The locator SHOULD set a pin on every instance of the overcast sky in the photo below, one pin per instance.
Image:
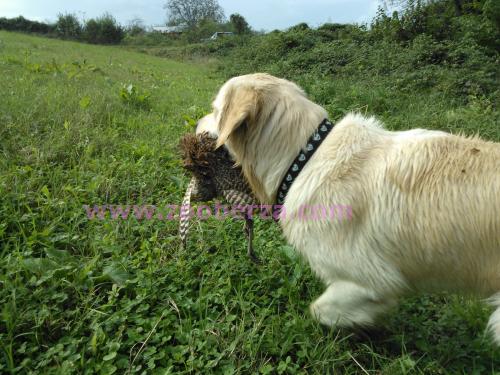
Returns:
(260, 14)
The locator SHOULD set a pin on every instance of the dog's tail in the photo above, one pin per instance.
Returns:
(494, 322)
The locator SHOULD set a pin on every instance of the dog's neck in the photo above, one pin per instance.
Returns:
(302, 158)
(269, 153)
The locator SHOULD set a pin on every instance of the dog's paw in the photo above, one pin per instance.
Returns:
(346, 304)
(494, 326)
(325, 314)
(494, 322)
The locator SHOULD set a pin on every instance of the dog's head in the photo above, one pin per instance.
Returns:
(263, 121)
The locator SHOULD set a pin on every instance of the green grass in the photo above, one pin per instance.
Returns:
(83, 124)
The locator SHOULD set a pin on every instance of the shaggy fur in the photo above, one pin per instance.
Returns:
(425, 204)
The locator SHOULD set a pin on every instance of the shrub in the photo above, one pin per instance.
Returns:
(491, 10)
(135, 27)
(68, 26)
(22, 24)
(300, 27)
(103, 30)
(131, 95)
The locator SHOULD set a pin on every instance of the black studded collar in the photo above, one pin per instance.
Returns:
(302, 158)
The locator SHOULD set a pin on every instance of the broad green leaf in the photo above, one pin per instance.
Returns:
(116, 273)
(85, 102)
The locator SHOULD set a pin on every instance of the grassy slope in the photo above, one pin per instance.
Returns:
(88, 296)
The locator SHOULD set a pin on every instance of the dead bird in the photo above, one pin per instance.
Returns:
(214, 175)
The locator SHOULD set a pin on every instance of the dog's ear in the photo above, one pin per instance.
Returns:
(240, 107)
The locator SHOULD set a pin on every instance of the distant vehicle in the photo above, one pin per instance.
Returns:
(220, 34)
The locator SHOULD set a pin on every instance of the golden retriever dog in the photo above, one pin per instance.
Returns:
(425, 204)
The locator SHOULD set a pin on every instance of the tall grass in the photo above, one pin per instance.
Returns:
(84, 125)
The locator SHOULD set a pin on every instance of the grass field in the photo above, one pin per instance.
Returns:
(85, 125)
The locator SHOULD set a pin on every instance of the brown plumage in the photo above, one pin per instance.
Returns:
(214, 176)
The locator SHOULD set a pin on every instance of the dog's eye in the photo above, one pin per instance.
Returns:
(243, 127)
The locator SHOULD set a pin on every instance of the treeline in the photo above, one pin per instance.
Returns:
(23, 25)
(195, 33)
(106, 30)
(100, 30)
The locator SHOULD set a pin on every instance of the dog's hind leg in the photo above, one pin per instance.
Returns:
(494, 322)
(346, 304)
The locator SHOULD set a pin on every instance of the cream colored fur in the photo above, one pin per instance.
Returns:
(425, 204)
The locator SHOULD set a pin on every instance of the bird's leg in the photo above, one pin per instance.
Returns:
(249, 234)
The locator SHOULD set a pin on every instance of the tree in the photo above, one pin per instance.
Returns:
(239, 23)
(68, 26)
(135, 27)
(103, 30)
(405, 4)
(191, 12)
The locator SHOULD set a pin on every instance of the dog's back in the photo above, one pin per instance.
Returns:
(446, 192)
(425, 215)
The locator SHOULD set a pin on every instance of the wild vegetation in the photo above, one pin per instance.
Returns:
(430, 65)
(198, 20)
(99, 125)
(100, 30)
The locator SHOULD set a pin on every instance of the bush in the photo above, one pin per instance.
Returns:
(68, 26)
(103, 30)
(491, 10)
(135, 28)
(426, 47)
(335, 31)
(22, 24)
(131, 95)
(300, 27)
